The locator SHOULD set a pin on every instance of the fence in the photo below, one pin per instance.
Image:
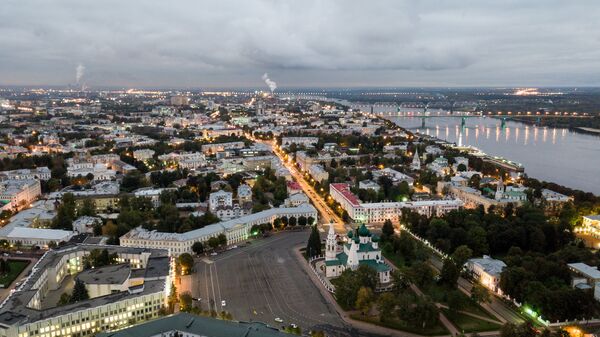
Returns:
(322, 278)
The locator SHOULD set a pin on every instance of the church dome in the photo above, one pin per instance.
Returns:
(375, 238)
(350, 234)
(363, 231)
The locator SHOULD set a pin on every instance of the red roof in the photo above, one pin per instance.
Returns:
(344, 190)
(292, 185)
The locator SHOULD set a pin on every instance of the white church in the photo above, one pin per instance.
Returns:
(362, 249)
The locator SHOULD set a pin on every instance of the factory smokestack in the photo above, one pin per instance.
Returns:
(270, 83)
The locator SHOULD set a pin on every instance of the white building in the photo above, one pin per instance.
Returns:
(381, 211)
(86, 224)
(585, 277)
(220, 199)
(40, 173)
(305, 141)
(318, 172)
(396, 176)
(29, 312)
(369, 185)
(18, 194)
(236, 230)
(487, 271)
(244, 194)
(143, 154)
(296, 199)
(39, 237)
(362, 249)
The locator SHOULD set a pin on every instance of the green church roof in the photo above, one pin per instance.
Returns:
(363, 230)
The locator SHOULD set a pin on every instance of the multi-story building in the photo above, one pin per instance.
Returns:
(244, 194)
(40, 173)
(16, 194)
(305, 141)
(318, 172)
(32, 310)
(219, 147)
(236, 230)
(220, 199)
(143, 154)
(381, 211)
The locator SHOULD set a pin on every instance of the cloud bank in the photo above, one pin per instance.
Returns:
(301, 43)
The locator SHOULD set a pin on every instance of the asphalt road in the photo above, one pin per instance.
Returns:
(264, 281)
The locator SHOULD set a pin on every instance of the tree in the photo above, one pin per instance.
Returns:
(187, 263)
(213, 242)
(456, 300)
(421, 274)
(480, 294)
(302, 221)
(400, 282)
(80, 292)
(386, 304)
(461, 255)
(387, 230)
(313, 247)
(4, 267)
(198, 248)
(64, 299)
(185, 302)
(88, 208)
(449, 274)
(173, 298)
(292, 221)
(222, 239)
(310, 220)
(364, 300)
(366, 276)
(425, 313)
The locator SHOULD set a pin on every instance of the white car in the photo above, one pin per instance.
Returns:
(278, 320)
(223, 303)
(213, 254)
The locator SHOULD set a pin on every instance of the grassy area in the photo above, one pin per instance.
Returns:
(396, 259)
(16, 267)
(438, 294)
(434, 330)
(466, 323)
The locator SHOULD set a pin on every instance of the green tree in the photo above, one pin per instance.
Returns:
(461, 255)
(186, 261)
(80, 292)
(480, 294)
(449, 274)
(213, 242)
(386, 304)
(364, 300)
(421, 274)
(387, 231)
(88, 208)
(222, 239)
(198, 248)
(185, 302)
(313, 247)
(302, 221)
(425, 313)
(64, 299)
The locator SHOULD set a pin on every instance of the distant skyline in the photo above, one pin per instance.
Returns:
(310, 43)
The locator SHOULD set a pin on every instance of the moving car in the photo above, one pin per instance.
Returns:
(278, 320)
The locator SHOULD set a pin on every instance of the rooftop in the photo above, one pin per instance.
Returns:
(199, 326)
(111, 274)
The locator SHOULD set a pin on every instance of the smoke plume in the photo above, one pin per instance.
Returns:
(270, 83)
(79, 71)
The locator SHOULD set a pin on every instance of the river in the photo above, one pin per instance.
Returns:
(558, 155)
(553, 154)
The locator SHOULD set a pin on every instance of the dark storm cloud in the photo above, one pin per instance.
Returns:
(308, 42)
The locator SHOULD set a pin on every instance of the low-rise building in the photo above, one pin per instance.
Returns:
(17, 194)
(236, 230)
(486, 271)
(585, 277)
(318, 172)
(40, 173)
(143, 154)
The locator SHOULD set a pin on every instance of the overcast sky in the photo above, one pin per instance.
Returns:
(300, 43)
